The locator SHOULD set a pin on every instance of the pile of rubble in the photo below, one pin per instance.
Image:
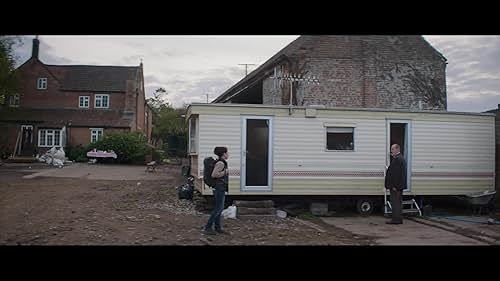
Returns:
(54, 156)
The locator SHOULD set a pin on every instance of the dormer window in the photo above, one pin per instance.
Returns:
(42, 83)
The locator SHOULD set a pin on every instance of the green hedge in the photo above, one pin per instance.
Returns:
(78, 153)
(130, 148)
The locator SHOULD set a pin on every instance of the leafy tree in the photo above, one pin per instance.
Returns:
(9, 81)
(168, 122)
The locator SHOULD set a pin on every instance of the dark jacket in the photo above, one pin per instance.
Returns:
(396, 174)
(220, 172)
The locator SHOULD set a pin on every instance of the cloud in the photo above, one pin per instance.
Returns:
(193, 86)
(484, 103)
(473, 72)
(132, 60)
(150, 79)
(196, 90)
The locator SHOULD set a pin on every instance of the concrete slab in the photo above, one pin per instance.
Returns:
(474, 224)
(408, 233)
(102, 172)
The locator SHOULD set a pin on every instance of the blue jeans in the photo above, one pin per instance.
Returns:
(219, 195)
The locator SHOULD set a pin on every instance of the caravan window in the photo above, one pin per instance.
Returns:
(339, 138)
(192, 135)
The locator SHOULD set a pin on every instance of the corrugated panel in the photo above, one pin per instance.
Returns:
(453, 146)
(303, 142)
(450, 186)
(348, 113)
(218, 130)
(360, 186)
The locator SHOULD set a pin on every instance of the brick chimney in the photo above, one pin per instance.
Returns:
(36, 44)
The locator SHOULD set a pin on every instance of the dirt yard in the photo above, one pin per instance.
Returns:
(40, 205)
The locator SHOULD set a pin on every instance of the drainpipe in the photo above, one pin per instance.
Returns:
(68, 125)
(290, 103)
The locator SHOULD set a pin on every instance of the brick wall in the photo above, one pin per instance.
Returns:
(78, 136)
(130, 110)
(365, 71)
(8, 138)
(81, 135)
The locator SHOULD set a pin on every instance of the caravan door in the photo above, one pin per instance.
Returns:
(399, 131)
(256, 153)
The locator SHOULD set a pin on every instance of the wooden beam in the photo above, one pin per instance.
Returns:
(17, 141)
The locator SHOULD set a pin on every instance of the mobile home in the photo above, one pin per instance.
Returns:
(306, 151)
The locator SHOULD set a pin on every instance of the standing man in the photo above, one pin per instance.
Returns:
(395, 181)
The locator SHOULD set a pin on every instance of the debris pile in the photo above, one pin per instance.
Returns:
(54, 156)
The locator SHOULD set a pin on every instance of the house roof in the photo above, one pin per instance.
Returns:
(60, 117)
(305, 42)
(94, 78)
(496, 110)
(279, 56)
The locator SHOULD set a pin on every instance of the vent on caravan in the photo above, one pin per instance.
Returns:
(310, 112)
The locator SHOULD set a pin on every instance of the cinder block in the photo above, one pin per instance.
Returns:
(319, 209)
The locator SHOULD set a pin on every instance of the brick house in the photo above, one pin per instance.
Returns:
(395, 72)
(71, 105)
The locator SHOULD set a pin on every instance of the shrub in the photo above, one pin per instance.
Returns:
(77, 153)
(129, 147)
(159, 155)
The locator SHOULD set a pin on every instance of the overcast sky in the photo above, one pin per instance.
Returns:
(189, 67)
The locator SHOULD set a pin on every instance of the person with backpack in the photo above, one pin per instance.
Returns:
(215, 175)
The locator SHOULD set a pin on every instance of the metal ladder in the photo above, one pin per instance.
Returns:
(413, 206)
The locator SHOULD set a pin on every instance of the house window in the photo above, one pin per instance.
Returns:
(101, 101)
(49, 137)
(14, 100)
(83, 101)
(95, 134)
(192, 135)
(339, 138)
(42, 84)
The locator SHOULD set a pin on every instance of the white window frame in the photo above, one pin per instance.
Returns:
(41, 83)
(99, 97)
(49, 132)
(340, 129)
(14, 100)
(97, 133)
(193, 136)
(83, 98)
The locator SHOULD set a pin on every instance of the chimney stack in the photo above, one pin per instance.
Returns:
(36, 44)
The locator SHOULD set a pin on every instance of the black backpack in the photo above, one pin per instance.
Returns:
(208, 168)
